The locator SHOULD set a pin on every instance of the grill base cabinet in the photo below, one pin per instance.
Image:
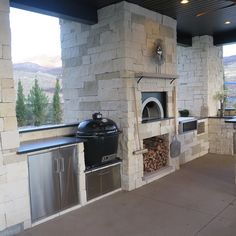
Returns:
(102, 181)
(53, 181)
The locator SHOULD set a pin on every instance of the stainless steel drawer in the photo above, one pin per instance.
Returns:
(102, 181)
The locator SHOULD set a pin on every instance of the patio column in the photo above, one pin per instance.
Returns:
(14, 198)
(8, 123)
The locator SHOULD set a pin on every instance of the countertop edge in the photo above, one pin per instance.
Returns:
(230, 121)
(157, 120)
(39, 145)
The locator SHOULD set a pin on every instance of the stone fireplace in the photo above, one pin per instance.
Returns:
(102, 69)
(156, 133)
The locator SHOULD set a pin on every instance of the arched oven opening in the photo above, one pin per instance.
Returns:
(153, 108)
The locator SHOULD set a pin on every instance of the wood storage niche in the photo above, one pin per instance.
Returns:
(158, 153)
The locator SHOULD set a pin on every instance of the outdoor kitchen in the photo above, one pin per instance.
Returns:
(119, 69)
(125, 80)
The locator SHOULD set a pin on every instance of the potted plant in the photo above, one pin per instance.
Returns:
(184, 113)
(221, 96)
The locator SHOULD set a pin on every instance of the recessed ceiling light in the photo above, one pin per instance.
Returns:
(184, 1)
(227, 22)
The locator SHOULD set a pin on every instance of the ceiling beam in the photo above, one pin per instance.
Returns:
(65, 9)
(225, 38)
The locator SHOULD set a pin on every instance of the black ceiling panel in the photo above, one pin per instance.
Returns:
(210, 23)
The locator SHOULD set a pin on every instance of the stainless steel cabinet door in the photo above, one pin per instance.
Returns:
(68, 176)
(44, 184)
(110, 179)
(102, 181)
(93, 185)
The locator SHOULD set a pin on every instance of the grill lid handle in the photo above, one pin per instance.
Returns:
(97, 116)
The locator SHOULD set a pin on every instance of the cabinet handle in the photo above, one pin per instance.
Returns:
(62, 164)
(56, 165)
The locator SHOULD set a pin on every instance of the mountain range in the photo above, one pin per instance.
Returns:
(230, 68)
(230, 60)
(27, 72)
(230, 79)
(35, 68)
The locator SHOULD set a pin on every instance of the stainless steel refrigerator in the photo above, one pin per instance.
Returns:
(53, 181)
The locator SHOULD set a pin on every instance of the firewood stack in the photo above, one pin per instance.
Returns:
(158, 153)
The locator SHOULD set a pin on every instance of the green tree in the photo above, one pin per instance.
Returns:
(20, 105)
(38, 102)
(56, 104)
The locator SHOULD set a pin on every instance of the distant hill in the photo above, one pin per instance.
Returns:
(27, 72)
(43, 60)
(230, 60)
(230, 68)
(230, 79)
(35, 68)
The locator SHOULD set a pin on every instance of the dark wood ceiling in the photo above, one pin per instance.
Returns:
(188, 24)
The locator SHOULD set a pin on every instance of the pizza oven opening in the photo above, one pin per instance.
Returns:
(153, 106)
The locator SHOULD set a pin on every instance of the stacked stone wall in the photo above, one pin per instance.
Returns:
(194, 145)
(200, 70)
(221, 136)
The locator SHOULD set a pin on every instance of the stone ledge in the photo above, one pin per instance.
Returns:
(46, 127)
(150, 177)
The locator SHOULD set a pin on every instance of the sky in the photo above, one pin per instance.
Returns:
(33, 35)
(229, 50)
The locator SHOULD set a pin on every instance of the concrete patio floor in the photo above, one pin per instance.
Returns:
(200, 199)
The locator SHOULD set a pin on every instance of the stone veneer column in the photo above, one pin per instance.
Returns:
(99, 66)
(14, 198)
(201, 71)
(8, 124)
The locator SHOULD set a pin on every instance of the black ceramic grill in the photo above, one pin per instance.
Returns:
(102, 140)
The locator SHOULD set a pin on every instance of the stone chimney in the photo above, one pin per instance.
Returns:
(100, 66)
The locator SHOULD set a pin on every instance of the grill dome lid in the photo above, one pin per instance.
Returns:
(97, 126)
